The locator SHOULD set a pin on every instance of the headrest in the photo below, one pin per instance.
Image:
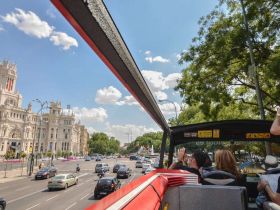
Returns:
(218, 175)
(208, 181)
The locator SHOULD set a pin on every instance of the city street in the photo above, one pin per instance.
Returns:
(27, 193)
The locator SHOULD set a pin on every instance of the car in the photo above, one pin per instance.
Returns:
(2, 204)
(138, 164)
(145, 166)
(46, 172)
(117, 167)
(88, 158)
(101, 167)
(62, 181)
(148, 170)
(133, 157)
(105, 186)
(124, 172)
(98, 158)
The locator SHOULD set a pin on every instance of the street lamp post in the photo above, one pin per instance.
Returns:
(254, 73)
(175, 108)
(42, 106)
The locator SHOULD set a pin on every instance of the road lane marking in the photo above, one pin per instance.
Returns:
(73, 204)
(33, 206)
(84, 196)
(132, 177)
(24, 196)
(82, 175)
(52, 197)
(88, 180)
(22, 188)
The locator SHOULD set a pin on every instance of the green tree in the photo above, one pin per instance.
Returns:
(22, 155)
(146, 141)
(9, 155)
(49, 154)
(58, 153)
(102, 144)
(218, 73)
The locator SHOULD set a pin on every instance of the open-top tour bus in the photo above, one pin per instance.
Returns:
(162, 188)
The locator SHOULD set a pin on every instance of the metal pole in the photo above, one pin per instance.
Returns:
(255, 74)
(162, 149)
(42, 106)
(171, 150)
(32, 153)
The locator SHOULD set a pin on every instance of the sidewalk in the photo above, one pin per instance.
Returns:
(15, 174)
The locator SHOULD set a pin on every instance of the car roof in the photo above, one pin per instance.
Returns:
(110, 177)
(63, 174)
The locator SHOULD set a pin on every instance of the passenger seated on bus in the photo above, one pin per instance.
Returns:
(270, 195)
(191, 164)
(275, 128)
(225, 161)
(226, 172)
(207, 166)
(271, 192)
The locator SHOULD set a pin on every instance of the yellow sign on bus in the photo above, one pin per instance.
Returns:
(204, 134)
(257, 135)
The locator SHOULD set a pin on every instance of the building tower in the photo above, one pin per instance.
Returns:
(8, 77)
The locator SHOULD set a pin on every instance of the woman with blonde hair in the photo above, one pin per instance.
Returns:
(225, 161)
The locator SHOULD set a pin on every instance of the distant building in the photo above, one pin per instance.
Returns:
(21, 128)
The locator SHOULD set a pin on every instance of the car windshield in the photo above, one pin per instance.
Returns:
(124, 168)
(105, 182)
(44, 169)
(98, 165)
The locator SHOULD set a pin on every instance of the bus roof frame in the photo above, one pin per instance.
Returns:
(91, 19)
(224, 130)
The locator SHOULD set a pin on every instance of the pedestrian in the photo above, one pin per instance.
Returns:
(40, 166)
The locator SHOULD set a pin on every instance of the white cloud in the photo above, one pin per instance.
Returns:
(160, 95)
(148, 52)
(29, 23)
(108, 95)
(87, 115)
(154, 79)
(172, 79)
(91, 130)
(157, 81)
(32, 25)
(1, 28)
(127, 132)
(62, 39)
(169, 108)
(128, 100)
(157, 59)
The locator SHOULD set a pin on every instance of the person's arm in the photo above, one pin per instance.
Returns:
(181, 158)
(275, 197)
(275, 128)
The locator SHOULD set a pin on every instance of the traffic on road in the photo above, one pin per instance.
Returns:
(60, 187)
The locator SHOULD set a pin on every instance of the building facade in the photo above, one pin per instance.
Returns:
(23, 130)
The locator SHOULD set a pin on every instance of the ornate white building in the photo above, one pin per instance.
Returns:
(21, 128)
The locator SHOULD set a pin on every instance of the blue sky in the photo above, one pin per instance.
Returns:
(55, 64)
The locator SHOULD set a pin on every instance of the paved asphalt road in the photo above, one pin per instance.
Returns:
(26, 194)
